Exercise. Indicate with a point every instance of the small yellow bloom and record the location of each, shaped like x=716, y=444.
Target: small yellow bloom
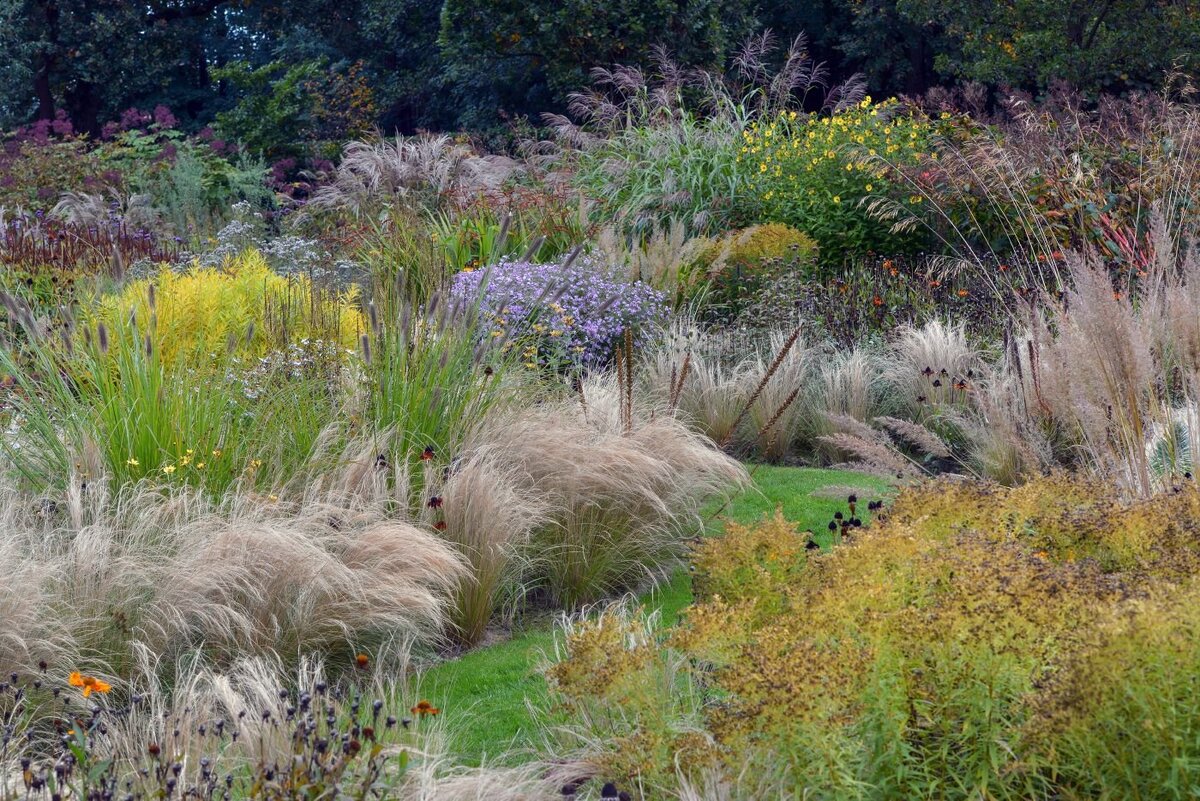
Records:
x=132, y=462
x=169, y=469
x=837, y=199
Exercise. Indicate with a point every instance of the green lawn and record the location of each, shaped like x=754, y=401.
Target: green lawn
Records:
x=483, y=694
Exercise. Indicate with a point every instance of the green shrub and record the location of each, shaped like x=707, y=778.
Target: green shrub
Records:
x=979, y=642
x=741, y=265
x=834, y=177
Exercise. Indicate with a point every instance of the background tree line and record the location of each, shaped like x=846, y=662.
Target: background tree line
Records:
x=279, y=71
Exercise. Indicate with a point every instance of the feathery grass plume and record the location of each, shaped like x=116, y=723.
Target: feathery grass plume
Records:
x=871, y=450
x=916, y=434
x=655, y=148
x=176, y=572
x=622, y=504
x=848, y=383
x=376, y=174
x=489, y=514
x=710, y=394
x=373, y=317
x=1099, y=372
x=926, y=362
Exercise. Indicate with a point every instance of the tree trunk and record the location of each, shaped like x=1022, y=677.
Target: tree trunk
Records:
x=41, y=90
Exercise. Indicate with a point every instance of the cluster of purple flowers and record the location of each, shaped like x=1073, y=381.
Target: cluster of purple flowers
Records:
x=560, y=316
x=136, y=119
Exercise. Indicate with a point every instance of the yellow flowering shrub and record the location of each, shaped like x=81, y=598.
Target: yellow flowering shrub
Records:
x=201, y=311
x=821, y=174
x=976, y=641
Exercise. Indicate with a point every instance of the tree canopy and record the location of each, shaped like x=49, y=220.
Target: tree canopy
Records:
x=477, y=64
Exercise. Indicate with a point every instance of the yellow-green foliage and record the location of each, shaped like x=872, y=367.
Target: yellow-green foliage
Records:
x=751, y=248
x=742, y=262
x=978, y=642
x=201, y=311
x=622, y=687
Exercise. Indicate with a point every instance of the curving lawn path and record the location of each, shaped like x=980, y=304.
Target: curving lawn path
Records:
x=485, y=695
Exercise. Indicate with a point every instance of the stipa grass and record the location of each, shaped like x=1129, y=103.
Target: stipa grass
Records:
x=257, y=730
x=623, y=488
x=175, y=572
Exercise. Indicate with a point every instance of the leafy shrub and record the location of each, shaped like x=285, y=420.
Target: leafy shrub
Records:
x=742, y=264
x=37, y=164
x=977, y=640
x=245, y=304
x=298, y=110
x=187, y=183
x=559, y=315
x=821, y=173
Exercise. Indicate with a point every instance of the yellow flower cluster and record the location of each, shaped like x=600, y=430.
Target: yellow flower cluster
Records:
x=810, y=171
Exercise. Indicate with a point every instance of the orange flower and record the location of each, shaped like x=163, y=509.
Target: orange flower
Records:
x=89, y=684
x=423, y=707
x=878, y=301
x=362, y=661
x=962, y=293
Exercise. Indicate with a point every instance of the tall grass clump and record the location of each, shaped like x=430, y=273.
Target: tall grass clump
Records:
x=647, y=151
x=433, y=375
x=101, y=405
x=623, y=489
x=102, y=574
x=414, y=171
x=1012, y=192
